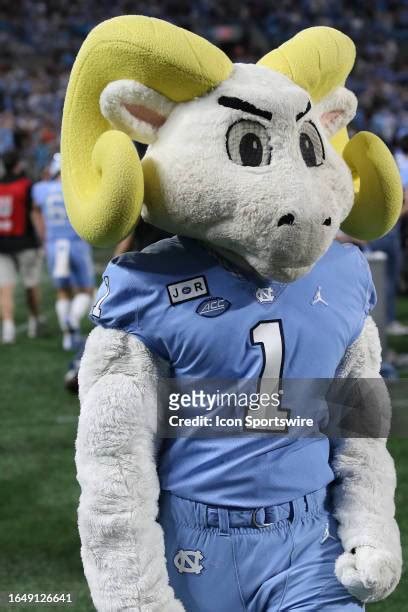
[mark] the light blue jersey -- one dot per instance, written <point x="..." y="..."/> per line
<point x="69" y="258"/>
<point x="47" y="195"/>
<point x="402" y="161"/>
<point x="210" y="323"/>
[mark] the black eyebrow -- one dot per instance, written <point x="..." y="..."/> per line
<point x="247" y="107"/>
<point x="300" y="115"/>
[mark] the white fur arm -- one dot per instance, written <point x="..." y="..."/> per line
<point x="122" y="544"/>
<point x="364" y="494"/>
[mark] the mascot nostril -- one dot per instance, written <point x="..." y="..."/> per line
<point x="221" y="302"/>
<point x="288" y="219"/>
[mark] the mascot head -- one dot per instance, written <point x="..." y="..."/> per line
<point x="253" y="160"/>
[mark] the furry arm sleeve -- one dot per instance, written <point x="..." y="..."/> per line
<point x="122" y="544"/>
<point x="370" y="568"/>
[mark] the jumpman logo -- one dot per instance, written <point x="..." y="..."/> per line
<point x="327" y="535"/>
<point x="318" y="298"/>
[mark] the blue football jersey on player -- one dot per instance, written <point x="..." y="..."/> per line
<point x="209" y="323"/>
<point x="48" y="196"/>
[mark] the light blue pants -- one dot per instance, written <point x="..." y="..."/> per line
<point x="222" y="560"/>
<point x="70" y="266"/>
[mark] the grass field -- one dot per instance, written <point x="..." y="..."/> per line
<point x="39" y="544"/>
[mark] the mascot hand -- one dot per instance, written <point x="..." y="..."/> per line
<point x="369" y="574"/>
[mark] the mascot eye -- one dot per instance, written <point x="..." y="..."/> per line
<point x="311" y="145"/>
<point x="248" y="144"/>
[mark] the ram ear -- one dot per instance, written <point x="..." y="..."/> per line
<point x="336" y="110"/>
<point x="135" y="109"/>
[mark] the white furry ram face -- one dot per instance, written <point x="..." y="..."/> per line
<point x="248" y="168"/>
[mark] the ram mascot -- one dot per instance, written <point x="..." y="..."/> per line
<point x="250" y="169"/>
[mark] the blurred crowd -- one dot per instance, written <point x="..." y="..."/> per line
<point x="39" y="41"/>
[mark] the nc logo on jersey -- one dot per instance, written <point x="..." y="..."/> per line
<point x="188" y="561"/>
<point x="189" y="289"/>
<point x="265" y="294"/>
<point x="213" y="307"/>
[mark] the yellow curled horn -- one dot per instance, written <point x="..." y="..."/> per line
<point x="319" y="60"/>
<point x="101" y="172"/>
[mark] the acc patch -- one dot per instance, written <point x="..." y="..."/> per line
<point x="188" y="289"/>
<point x="213" y="307"/>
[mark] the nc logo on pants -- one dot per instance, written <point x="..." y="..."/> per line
<point x="188" y="561"/>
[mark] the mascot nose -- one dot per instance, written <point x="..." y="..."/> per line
<point x="288" y="219"/>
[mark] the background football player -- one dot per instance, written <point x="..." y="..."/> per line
<point x="69" y="257"/>
<point x="19" y="247"/>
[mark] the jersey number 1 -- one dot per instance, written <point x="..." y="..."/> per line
<point x="268" y="335"/>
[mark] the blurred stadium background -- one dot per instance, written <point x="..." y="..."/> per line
<point x="39" y="545"/>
